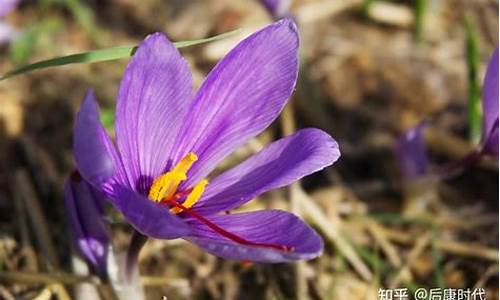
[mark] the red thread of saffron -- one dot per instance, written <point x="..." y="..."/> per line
<point x="220" y="230"/>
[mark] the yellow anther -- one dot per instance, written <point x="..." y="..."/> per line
<point x="193" y="197"/>
<point x="186" y="162"/>
<point x="166" y="185"/>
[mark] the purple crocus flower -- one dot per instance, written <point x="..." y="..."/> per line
<point x="277" y="8"/>
<point x="412" y="153"/>
<point x="168" y="142"/>
<point x="83" y="205"/>
<point x="490" y="107"/>
<point x="411" y="150"/>
<point x="7" y="32"/>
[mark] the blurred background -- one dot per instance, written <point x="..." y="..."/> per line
<point x="370" y="70"/>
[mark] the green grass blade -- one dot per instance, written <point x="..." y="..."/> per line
<point x="474" y="90"/>
<point x="365" y="7"/>
<point x="398" y="219"/>
<point x="86" y="57"/>
<point x="183" y="44"/>
<point x="437" y="258"/>
<point x="101" y="55"/>
<point x="419" y="11"/>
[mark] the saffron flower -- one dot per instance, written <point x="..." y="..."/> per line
<point x="7" y="32"/>
<point x="277" y="8"/>
<point x="411" y="150"/>
<point x="412" y="153"/>
<point x="83" y="204"/>
<point x="168" y="142"/>
<point x="490" y="107"/>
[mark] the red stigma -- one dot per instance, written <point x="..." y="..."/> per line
<point x="233" y="237"/>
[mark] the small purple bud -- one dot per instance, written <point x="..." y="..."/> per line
<point x="412" y="153"/>
<point x="83" y="205"/>
<point x="490" y="107"/>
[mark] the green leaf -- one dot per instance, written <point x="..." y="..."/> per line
<point x="101" y="55"/>
<point x="395" y="218"/>
<point x="365" y="7"/>
<point x="474" y="89"/>
<point x="437" y="259"/>
<point x="419" y="11"/>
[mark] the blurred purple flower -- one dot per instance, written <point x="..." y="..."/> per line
<point x="490" y="107"/>
<point x="411" y="150"/>
<point x="7" y="6"/>
<point x="7" y="32"/>
<point x="277" y="8"/>
<point x="412" y="153"/>
<point x="167" y="142"/>
<point x="83" y="205"/>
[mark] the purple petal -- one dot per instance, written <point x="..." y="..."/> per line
<point x="154" y="95"/>
<point x="241" y="96"/>
<point x="277" y="8"/>
<point x="6" y="6"/>
<point x="490" y="93"/>
<point x="83" y="205"/>
<point x="279" y="164"/>
<point x="412" y="153"/>
<point x="266" y="226"/>
<point x="490" y="106"/>
<point x="146" y="216"/>
<point x="95" y="155"/>
<point x="491" y="141"/>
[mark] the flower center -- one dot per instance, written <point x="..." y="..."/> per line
<point x="165" y="186"/>
<point x="165" y="191"/>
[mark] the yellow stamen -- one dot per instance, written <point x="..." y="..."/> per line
<point x="193" y="197"/>
<point x="166" y="185"/>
